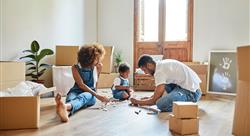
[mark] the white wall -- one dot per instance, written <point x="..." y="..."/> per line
<point x="219" y="24"/>
<point x="50" y="22"/>
<point x="115" y="26"/>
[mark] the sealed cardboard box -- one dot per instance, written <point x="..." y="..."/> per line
<point x="62" y="79"/>
<point x="66" y="55"/>
<point x="241" y="122"/>
<point x="184" y="126"/>
<point x="185" y="110"/>
<point x="108" y="59"/>
<point x="106" y="80"/>
<point x="11" y="73"/>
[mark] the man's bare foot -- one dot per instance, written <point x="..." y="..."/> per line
<point x="61" y="109"/>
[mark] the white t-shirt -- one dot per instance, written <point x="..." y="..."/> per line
<point x="117" y="82"/>
<point x="172" y="71"/>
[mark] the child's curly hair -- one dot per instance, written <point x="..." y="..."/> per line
<point x="89" y="53"/>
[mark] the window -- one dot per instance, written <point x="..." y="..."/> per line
<point x="163" y="27"/>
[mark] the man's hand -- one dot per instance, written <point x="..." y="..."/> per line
<point x="134" y="101"/>
<point x="102" y="98"/>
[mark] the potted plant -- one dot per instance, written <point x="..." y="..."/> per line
<point x="35" y="68"/>
<point x="118" y="60"/>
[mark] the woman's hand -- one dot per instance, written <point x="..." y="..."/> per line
<point x="102" y="98"/>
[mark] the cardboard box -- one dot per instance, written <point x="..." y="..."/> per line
<point x="185" y="110"/>
<point x="11" y="73"/>
<point x="20" y="112"/>
<point x="184" y="126"/>
<point x="108" y="59"/>
<point x="62" y="79"/>
<point x="176" y="134"/>
<point x="106" y="80"/>
<point x="241" y="122"/>
<point x="202" y="71"/>
<point x="243" y="57"/>
<point x="66" y="55"/>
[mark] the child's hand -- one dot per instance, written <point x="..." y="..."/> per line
<point x="102" y="98"/>
<point x="130" y="90"/>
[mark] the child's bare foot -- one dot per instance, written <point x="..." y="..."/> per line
<point x="61" y="109"/>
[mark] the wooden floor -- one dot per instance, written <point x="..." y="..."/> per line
<point x="216" y="117"/>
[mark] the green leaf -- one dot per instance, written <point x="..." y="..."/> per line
<point x="32" y="68"/>
<point x="44" y="53"/>
<point x="35" y="46"/>
<point x="30" y="51"/>
<point x="29" y="56"/>
<point x="42" y="71"/>
<point x="30" y="74"/>
<point x="35" y="76"/>
<point x="44" y="65"/>
<point x="29" y="63"/>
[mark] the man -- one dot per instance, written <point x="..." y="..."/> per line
<point x="174" y="81"/>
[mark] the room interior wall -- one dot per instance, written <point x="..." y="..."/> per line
<point x="219" y="25"/>
<point x="222" y="24"/>
<point x="50" y="22"/>
<point x="115" y="26"/>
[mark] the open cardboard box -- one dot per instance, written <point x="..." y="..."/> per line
<point x="19" y="112"/>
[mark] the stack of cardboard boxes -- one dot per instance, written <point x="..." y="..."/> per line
<point x="12" y="113"/>
<point x="106" y="77"/>
<point x="184" y="120"/>
<point x="66" y="56"/>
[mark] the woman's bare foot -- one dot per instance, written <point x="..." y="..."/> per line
<point x="61" y="109"/>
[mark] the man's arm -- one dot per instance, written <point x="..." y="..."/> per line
<point x="159" y="90"/>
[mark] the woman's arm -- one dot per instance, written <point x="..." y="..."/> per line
<point x="84" y="87"/>
<point x="99" y="68"/>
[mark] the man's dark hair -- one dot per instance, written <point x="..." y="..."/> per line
<point x="123" y="68"/>
<point x="144" y="59"/>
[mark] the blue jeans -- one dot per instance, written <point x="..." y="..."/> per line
<point x="80" y="99"/>
<point x="176" y="93"/>
<point x="119" y="94"/>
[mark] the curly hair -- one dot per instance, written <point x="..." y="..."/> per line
<point x="89" y="53"/>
